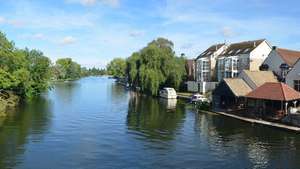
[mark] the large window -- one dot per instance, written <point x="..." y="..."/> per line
<point x="206" y="76"/>
<point x="235" y="64"/>
<point x="204" y="70"/>
<point x="297" y="85"/>
<point x="205" y="65"/>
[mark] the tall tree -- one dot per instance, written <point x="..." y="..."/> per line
<point x="67" y="69"/>
<point x="156" y="66"/>
<point x="117" y="67"/>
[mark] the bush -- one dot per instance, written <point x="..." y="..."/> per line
<point x="204" y="106"/>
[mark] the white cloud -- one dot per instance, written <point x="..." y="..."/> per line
<point x="2" y="20"/>
<point x="38" y="36"/>
<point x="68" y="40"/>
<point x="136" y="33"/>
<point x="88" y="2"/>
<point x="112" y="3"/>
<point x="227" y="32"/>
<point x="15" y="23"/>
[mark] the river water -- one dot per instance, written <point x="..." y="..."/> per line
<point x="94" y="123"/>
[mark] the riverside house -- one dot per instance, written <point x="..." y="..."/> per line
<point x="230" y="94"/>
<point x="285" y="64"/>
<point x="240" y="56"/>
<point x="272" y="101"/>
<point x="227" y="61"/>
<point x="205" y="74"/>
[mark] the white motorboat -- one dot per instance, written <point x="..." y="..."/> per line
<point x="168" y="93"/>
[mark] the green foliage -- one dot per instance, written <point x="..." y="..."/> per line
<point x="66" y="69"/>
<point x="156" y="66"/>
<point x="203" y="106"/>
<point x="92" y="72"/>
<point x="25" y="72"/>
<point x="117" y="67"/>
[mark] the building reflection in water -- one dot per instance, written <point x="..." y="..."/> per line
<point x="170" y="104"/>
<point x="262" y="145"/>
<point x="152" y="119"/>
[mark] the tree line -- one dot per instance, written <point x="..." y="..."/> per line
<point x="28" y="72"/>
<point x="153" y="67"/>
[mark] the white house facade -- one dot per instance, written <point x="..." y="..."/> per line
<point x="285" y="64"/>
<point x="205" y="69"/>
<point x="293" y="77"/>
<point x="242" y="56"/>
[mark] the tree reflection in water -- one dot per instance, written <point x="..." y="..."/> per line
<point x="31" y="119"/>
<point x="151" y="118"/>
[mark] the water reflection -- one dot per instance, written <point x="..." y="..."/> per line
<point x="263" y="147"/>
<point x="170" y="104"/>
<point x="93" y="123"/>
<point x="31" y="119"/>
<point x="66" y="91"/>
<point x="152" y="118"/>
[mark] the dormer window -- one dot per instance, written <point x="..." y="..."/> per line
<point x="230" y="52"/>
<point x="284" y="70"/>
<point x="247" y="50"/>
<point x="238" y="51"/>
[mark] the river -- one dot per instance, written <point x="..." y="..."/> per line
<point x="94" y="123"/>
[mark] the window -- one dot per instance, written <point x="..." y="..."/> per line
<point x="230" y="52"/>
<point x="228" y="74"/>
<point x="238" y="51"/>
<point x="235" y="64"/>
<point x="246" y="50"/>
<point x="205" y="65"/>
<point x="297" y="85"/>
<point x="206" y="76"/>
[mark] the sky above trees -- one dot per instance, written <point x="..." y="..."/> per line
<point x="92" y="32"/>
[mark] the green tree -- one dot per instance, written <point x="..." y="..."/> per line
<point x="156" y="66"/>
<point x="66" y="69"/>
<point x="25" y="72"/>
<point x="117" y="67"/>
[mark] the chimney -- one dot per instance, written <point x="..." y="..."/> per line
<point x="274" y="47"/>
<point x="254" y="44"/>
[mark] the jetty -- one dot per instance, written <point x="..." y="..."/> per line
<point x="258" y="121"/>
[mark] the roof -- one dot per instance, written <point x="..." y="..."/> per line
<point x="260" y="77"/>
<point x="242" y="47"/>
<point x="289" y="56"/>
<point x="274" y="91"/>
<point x="238" y="86"/>
<point x="210" y="50"/>
<point x="190" y="61"/>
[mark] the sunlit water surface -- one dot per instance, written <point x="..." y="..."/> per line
<point x="94" y="123"/>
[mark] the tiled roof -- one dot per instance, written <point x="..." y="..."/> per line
<point x="238" y="86"/>
<point x="210" y="50"/>
<point x="289" y="56"/>
<point x="274" y="91"/>
<point x="260" y="77"/>
<point x="242" y="47"/>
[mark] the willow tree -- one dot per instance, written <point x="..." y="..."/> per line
<point x="117" y="67"/>
<point x="156" y="66"/>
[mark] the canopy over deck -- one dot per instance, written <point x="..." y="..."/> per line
<point x="274" y="91"/>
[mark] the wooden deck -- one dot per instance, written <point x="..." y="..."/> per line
<point x="184" y="96"/>
<point x="262" y="122"/>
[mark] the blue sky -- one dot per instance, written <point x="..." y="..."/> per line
<point x="92" y="32"/>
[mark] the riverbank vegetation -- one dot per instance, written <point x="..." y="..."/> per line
<point x="26" y="73"/>
<point x="153" y="67"/>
